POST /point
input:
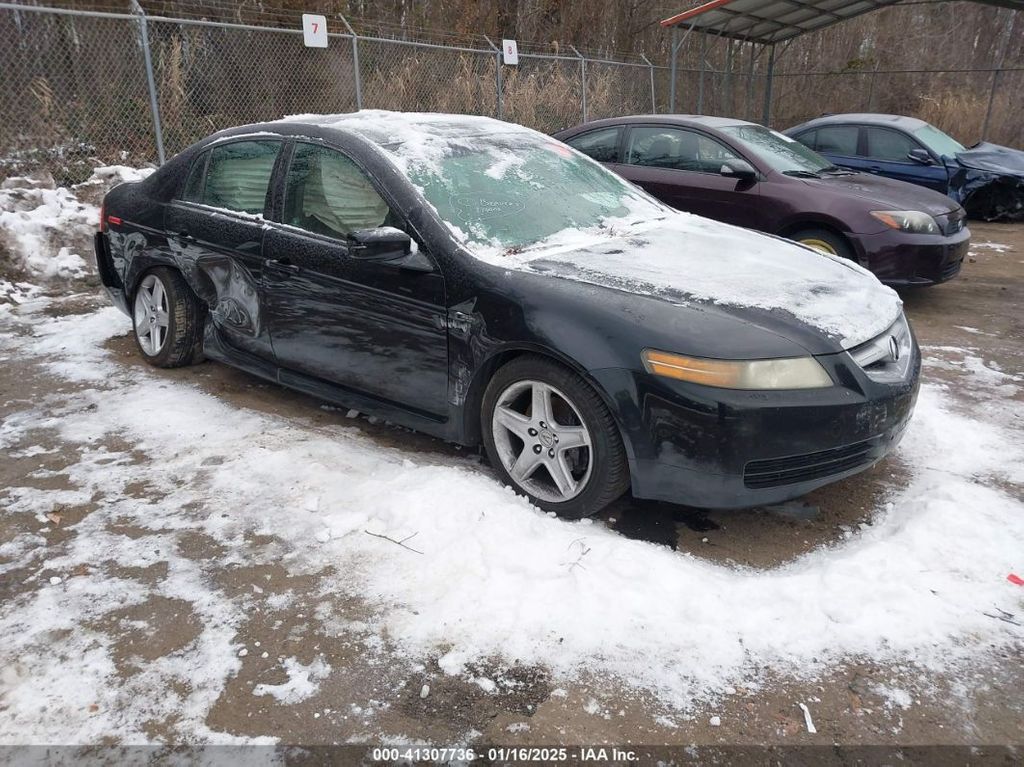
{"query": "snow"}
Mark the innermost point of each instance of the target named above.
(303, 681)
(495, 578)
(37, 221)
(652, 249)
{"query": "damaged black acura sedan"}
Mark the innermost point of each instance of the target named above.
(486, 284)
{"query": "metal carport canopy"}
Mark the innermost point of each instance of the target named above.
(766, 23)
(774, 21)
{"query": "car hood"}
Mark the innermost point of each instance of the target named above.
(993, 158)
(821, 302)
(885, 193)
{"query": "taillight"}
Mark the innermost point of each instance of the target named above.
(103, 216)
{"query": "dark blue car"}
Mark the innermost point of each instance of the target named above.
(987, 179)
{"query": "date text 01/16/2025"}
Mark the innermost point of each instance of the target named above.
(502, 753)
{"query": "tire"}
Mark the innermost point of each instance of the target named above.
(825, 241)
(165, 305)
(573, 481)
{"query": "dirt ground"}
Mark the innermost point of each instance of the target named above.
(366, 701)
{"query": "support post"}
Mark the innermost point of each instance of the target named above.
(672, 71)
(700, 74)
(871, 88)
(583, 77)
(154, 103)
(497, 76)
(750, 85)
(991, 101)
(650, 67)
(355, 63)
(767, 115)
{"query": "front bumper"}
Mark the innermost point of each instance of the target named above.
(718, 448)
(903, 259)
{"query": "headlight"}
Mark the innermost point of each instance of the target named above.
(791, 373)
(907, 221)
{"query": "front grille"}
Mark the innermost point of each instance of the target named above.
(773, 472)
(886, 358)
(951, 269)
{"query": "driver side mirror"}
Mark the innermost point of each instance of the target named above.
(385, 243)
(741, 170)
(920, 156)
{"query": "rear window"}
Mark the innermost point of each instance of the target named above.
(238, 175)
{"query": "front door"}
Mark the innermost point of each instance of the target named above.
(888, 153)
(682, 169)
(371, 327)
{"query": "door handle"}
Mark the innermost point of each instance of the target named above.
(281, 265)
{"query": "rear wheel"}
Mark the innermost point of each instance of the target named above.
(824, 241)
(550, 437)
(168, 319)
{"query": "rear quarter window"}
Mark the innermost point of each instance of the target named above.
(192, 191)
(238, 175)
(601, 145)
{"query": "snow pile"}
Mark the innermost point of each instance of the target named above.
(46, 231)
(491, 576)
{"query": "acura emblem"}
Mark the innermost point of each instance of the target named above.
(894, 349)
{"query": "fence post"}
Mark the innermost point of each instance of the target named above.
(355, 63)
(871, 88)
(991, 101)
(497, 76)
(154, 104)
(768, 86)
(583, 77)
(700, 76)
(650, 67)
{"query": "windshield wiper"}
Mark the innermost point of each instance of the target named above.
(835, 170)
(801, 173)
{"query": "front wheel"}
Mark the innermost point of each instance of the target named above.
(551, 438)
(824, 241)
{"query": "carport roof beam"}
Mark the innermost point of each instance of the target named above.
(774, 21)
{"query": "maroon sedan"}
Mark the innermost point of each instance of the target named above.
(746, 174)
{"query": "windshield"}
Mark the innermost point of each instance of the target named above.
(508, 192)
(784, 154)
(939, 142)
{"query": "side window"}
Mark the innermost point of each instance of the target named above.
(838, 139)
(602, 145)
(677, 149)
(193, 189)
(808, 138)
(238, 175)
(326, 193)
(889, 145)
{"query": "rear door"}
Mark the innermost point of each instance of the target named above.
(681, 167)
(839, 143)
(216, 227)
(371, 327)
(888, 153)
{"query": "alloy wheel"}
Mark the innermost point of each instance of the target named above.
(819, 245)
(151, 315)
(542, 441)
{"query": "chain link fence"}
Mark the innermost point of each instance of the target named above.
(84, 88)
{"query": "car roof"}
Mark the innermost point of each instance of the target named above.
(688, 121)
(866, 118)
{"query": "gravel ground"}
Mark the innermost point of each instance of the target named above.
(368, 692)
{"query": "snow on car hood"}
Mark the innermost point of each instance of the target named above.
(645, 247)
(683, 257)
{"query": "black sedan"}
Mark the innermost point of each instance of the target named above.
(987, 179)
(746, 174)
(484, 283)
